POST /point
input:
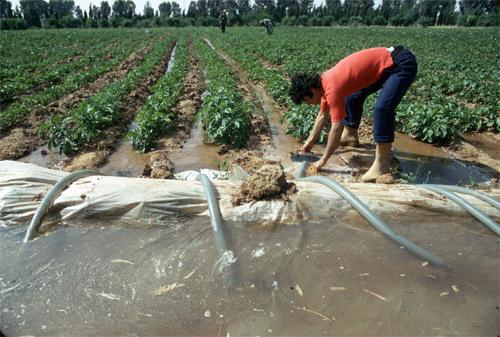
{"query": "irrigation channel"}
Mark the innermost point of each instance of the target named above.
(170, 275)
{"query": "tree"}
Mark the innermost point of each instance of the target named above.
(165, 9)
(124, 8)
(105, 10)
(149, 12)
(192, 11)
(34, 11)
(176, 9)
(60, 8)
(334, 8)
(79, 13)
(5, 9)
(243, 6)
(306, 6)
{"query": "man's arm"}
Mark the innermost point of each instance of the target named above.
(333, 142)
(319, 124)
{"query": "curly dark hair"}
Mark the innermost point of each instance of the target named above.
(301, 86)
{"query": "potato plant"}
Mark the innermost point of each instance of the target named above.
(155, 117)
(456, 89)
(90, 119)
(16, 111)
(225, 117)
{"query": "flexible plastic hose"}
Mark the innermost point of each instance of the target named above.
(372, 218)
(49, 199)
(216, 221)
(481, 196)
(301, 171)
(486, 220)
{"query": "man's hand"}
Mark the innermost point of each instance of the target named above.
(319, 164)
(306, 148)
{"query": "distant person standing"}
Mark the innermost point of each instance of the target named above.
(223, 21)
(268, 24)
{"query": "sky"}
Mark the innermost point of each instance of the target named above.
(139, 4)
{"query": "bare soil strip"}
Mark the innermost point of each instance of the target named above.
(24, 139)
(94, 154)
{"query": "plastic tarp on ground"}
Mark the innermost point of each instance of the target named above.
(22, 187)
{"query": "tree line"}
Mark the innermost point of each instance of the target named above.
(122, 13)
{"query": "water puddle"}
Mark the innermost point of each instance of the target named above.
(195, 154)
(125, 161)
(316, 279)
(43, 157)
(486, 142)
(170, 64)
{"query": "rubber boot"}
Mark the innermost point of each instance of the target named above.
(382, 163)
(349, 137)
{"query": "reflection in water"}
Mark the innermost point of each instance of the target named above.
(125, 161)
(308, 280)
(43, 157)
(195, 154)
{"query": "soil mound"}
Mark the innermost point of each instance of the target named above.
(161, 167)
(268, 182)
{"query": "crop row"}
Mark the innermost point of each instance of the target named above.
(456, 89)
(225, 116)
(299, 118)
(18, 110)
(32, 51)
(156, 116)
(89, 120)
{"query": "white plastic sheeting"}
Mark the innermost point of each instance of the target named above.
(117, 198)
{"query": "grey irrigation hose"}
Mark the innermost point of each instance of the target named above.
(481, 196)
(373, 219)
(49, 199)
(486, 220)
(216, 220)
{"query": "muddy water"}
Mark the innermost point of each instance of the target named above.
(308, 280)
(283, 144)
(126, 161)
(488, 142)
(195, 154)
(428, 163)
(43, 157)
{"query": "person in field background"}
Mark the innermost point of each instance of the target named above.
(268, 24)
(342, 91)
(223, 21)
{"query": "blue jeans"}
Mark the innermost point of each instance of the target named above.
(394, 82)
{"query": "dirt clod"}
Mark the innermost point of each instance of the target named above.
(387, 178)
(266, 183)
(161, 167)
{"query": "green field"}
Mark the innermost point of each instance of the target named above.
(456, 89)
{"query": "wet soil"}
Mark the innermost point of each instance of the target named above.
(268, 142)
(24, 139)
(462, 163)
(94, 155)
(185, 109)
(268, 182)
(161, 167)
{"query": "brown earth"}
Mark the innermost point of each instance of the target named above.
(94, 155)
(185, 109)
(24, 139)
(268, 182)
(161, 167)
(251, 158)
